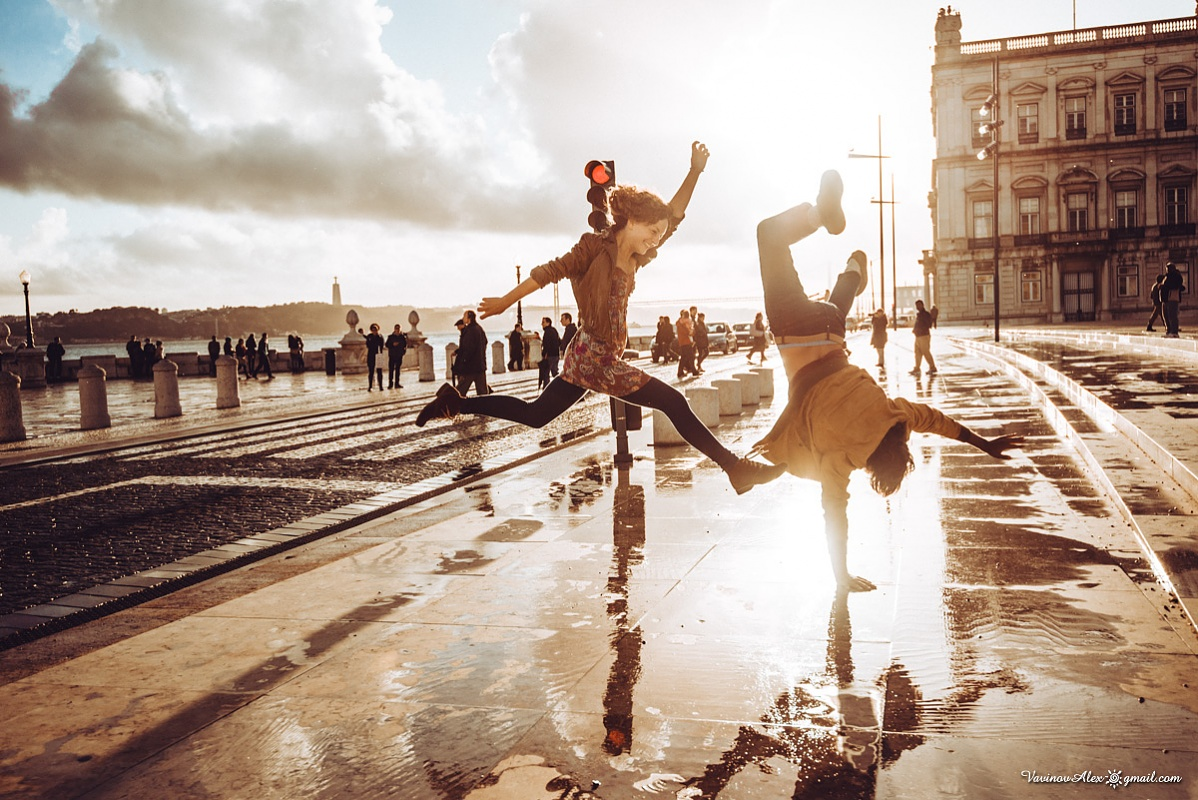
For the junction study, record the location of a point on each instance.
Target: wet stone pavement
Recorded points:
(568, 630)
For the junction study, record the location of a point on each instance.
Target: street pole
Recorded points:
(893, 258)
(881, 216)
(519, 306)
(24, 276)
(997, 292)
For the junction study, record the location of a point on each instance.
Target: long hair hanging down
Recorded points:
(629, 202)
(890, 461)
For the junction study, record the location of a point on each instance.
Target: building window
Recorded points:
(1031, 286)
(1029, 216)
(1125, 114)
(1075, 118)
(1077, 205)
(978, 139)
(983, 289)
(1177, 205)
(1175, 109)
(1125, 208)
(1127, 280)
(983, 219)
(1029, 123)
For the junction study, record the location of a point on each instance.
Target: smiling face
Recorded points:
(639, 237)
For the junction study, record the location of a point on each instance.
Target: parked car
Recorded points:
(721, 339)
(744, 333)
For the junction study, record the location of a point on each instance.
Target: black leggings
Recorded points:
(560, 395)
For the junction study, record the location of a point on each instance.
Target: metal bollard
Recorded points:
(498, 358)
(12, 425)
(424, 357)
(166, 390)
(228, 388)
(93, 398)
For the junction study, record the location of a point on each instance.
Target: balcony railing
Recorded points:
(1146, 31)
(1181, 229)
(1127, 233)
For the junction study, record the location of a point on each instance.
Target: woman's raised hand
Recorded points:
(699, 154)
(490, 306)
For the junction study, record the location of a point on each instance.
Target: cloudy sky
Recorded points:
(196, 153)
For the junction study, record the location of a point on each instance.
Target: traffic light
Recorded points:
(602, 175)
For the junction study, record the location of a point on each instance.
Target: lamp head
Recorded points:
(24, 276)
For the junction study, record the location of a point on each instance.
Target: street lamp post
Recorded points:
(991, 124)
(24, 276)
(881, 216)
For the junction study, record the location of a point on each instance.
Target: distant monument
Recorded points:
(336, 292)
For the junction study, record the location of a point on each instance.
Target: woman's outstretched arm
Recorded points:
(682, 197)
(490, 306)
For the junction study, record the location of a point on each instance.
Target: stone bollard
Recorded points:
(424, 357)
(705, 402)
(750, 388)
(12, 425)
(93, 398)
(228, 388)
(664, 432)
(765, 385)
(451, 350)
(729, 396)
(166, 390)
(534, 352)
(498, 358)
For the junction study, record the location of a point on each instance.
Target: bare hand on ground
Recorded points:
(855, 583)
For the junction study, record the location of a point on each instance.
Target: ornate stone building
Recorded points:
(1096, 154)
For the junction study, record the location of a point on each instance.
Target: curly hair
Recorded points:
(890, 461)
(641, 205)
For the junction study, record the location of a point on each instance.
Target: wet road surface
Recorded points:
(571, 631)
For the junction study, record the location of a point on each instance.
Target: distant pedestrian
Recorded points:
(213, 354)
(239, 353)
(299, 355)
(935, 312)
(702, 341)
(685, 330)
(1171, 289)
(879, 336)
(470, 363)
(515, 344)
(666, 339)
(264, 358)
(54, 353)
(397, 346)
(922, 328)
(374, 346)
(137, 357)
(228, 345)
(551, 351)
(568, 330)
(149, 358)
(251, 357)
(1154, 294)
(294, 360)
(757, 338)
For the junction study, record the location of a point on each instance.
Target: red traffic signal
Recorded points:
(602, 175)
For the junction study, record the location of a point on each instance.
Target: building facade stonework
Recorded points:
(1097, 154)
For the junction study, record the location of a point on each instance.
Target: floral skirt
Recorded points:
(598, 366)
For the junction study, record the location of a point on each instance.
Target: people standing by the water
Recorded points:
(54, 353)
(470, 363)
(251, 357)
(149, 358)
(213, 354)
(551, 343)
(241, 353)
(374, 346)
(397, 346)
(515, 343)
(228, 345)
(137, 357)
(264, 358)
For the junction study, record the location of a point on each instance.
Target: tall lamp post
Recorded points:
(990, 125)
(24, 276)
(881, 217)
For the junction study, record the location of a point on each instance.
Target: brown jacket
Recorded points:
(589, 265)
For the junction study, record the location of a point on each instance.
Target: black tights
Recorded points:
(560, 395)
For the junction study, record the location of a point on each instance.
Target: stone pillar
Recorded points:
(729, 397)
(705, 402)
(351, 358)
(765, 385)
(664, 432)
(31, 367)
(750, 393)
(166, 390)
(228, 388)
(534, 352)
(451, 350)
(498, 358)
(425, 359)
(93, 398)
(12, 425)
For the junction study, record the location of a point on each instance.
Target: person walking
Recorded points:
(397, 347)
(568, 330)
(551, 344)
(837, 418)
(685, 330)
(602, 268)
(264, 358)
(757, 342)
(702, 341)
(213, 354)
(879, 336)
(470, 362)
(922, 328)
(374, 346)
(54, 355)
(1154, 294)
(1171, 288)
(515, 348)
